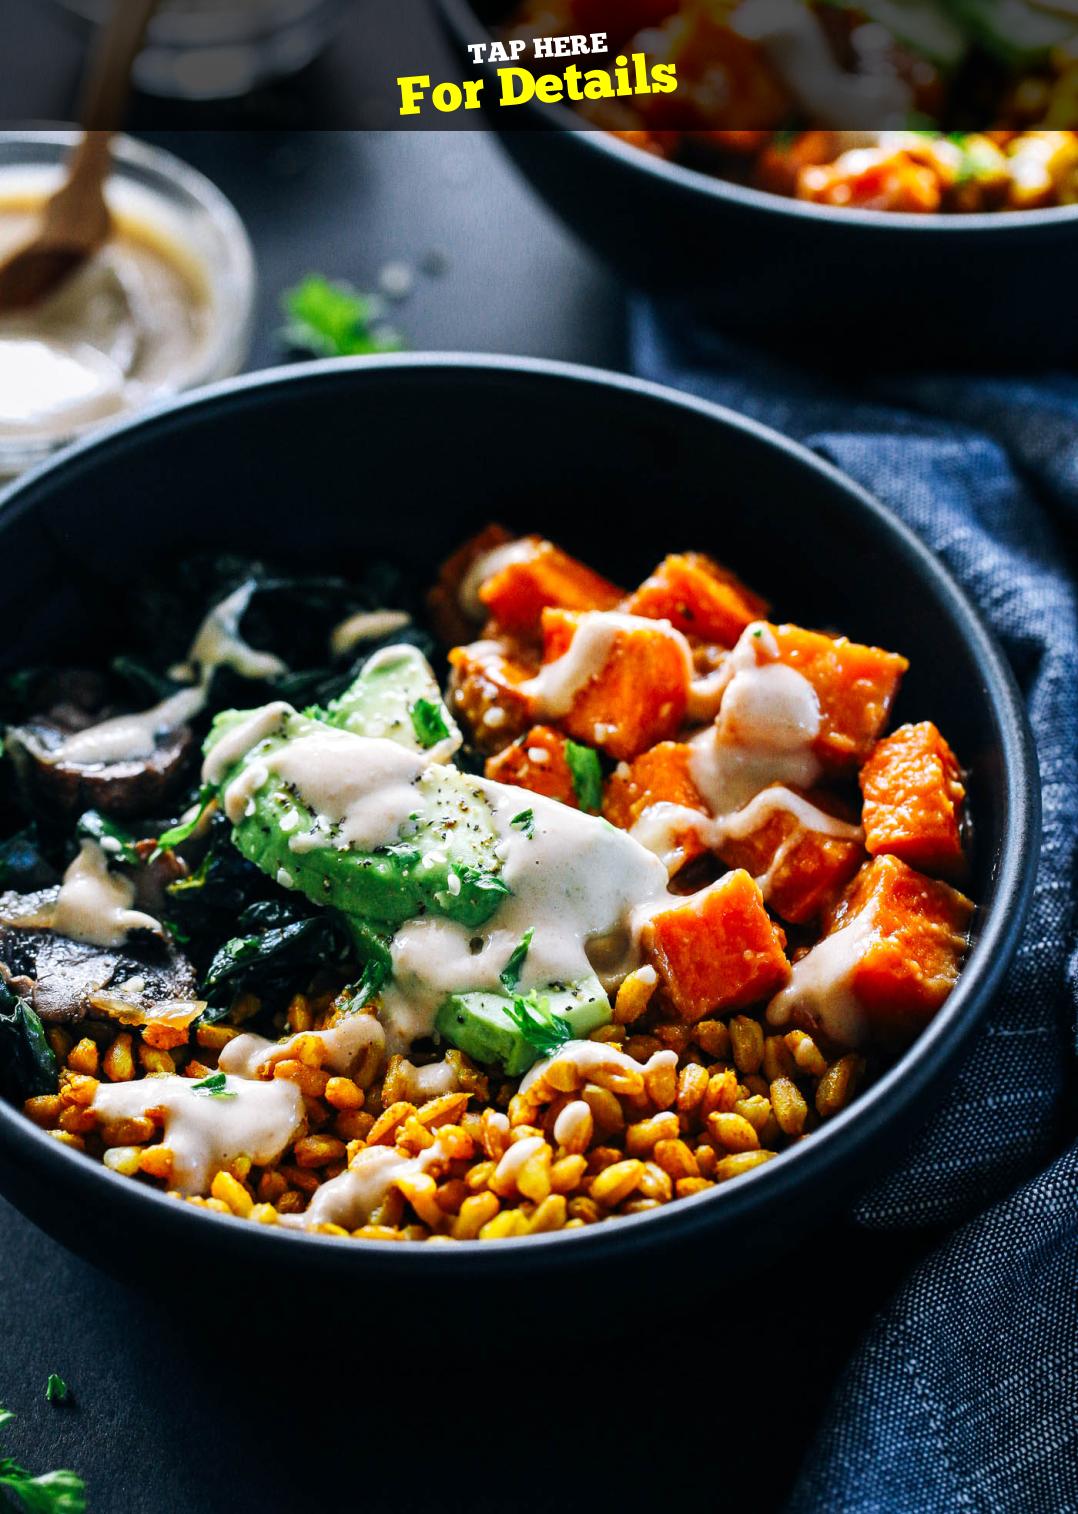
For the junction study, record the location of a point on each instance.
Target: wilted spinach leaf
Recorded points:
(27, 1064)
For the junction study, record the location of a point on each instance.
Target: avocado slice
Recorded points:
(443, 860)
(481, 1026)
(396, 696)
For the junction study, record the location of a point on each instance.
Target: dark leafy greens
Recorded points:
(28, 1065)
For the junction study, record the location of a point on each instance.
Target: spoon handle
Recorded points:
(108, 80)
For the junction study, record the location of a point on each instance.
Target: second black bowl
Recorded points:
(859, 287)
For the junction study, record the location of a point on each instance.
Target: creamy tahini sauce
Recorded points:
(204, 1133)
(484, 567)
(556, 685)
(822, 982)
(768, 718)
(126, 738)
(94, 905)
(353, 1047)
(367, 625)
(132, 323)
(590, 1057)
(217, 643)
(662, 827)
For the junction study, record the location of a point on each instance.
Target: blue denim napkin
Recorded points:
(964, 1396)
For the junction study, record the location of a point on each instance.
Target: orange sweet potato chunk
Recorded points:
(855, 685)
(659, 776)
(698, 596)
(639, 694)
(536, 762)
(717, 950)
(485, 695)
(914, 793)
(449, 616)
(912, 958)
(517, 595)
(807, 869)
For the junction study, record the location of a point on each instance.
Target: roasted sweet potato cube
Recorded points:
(718, 949)
(621, 682)
(698, 596)
(485, 691)
(913, 800)
(536, 762)
(891, 955)
(518, 593)
(802, 849)
(855, 685)
(455, 609)
(660, 776)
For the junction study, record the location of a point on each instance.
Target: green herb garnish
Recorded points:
(214, 1087)
(332, 319)
(56, 1390)
(428, 722)
(51, 1493)
(510, 973)
(113, 840)
(370, 982)
(525, 822)
(541, 1028)
(587, 776)
(177, 833)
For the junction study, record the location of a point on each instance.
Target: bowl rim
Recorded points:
(463, 22)
(808, 1162)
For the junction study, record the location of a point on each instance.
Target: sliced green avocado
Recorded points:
(396, 696)
(481, 1026)
(444, 861)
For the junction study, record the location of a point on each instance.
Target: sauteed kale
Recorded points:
(232, 930)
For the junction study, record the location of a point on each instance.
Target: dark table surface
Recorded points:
(180, 1406)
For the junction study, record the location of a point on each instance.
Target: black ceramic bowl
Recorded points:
(403, 457)
(852, 286)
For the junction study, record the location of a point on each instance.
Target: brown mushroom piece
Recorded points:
(56, 780)
(67, 980)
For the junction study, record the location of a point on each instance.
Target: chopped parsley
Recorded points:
(428, 722)
(214, 1087)
(525, 822)
(587, 776)
(541, 1028)
(510, 973)
(56, 1390)
(178, 833)
(50, 1493)
(329, 319)
(370, 982)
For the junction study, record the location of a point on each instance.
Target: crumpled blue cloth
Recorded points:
(964, 1396)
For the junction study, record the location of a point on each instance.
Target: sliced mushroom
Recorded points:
(58, 785)
(67, 980)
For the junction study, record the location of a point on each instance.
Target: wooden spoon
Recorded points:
(76, 220)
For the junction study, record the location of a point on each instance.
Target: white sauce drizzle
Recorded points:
(485, 566)
(217, 643)
(207, 1134)
(366, 625)
(822, 982)
(353, 1047)
(94, 905)
(556, 685)
(597, 1057)
(351, 1198)
(768, 718)
(126, 738)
